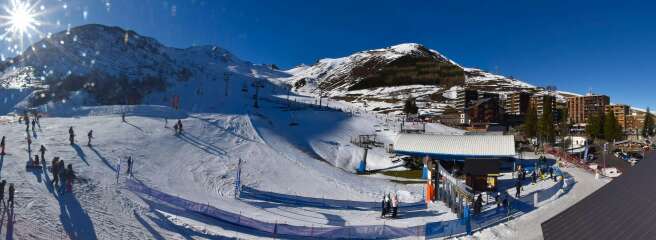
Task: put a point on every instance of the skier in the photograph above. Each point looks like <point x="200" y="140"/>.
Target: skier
<point x="89" y="136"/>
<point x="382" y="206"/>
<point x="70" y="175"/>
<point x="55" y="170"/>
<point x="395" y="205"/>
<point x="61" y="171"/>
<point x="518" y="189"/>
<point x="479" y="204"/>
<point x="2" y="190"/>
<point x="29" y="143"/>
<point x="118" y="170"/>
<point x="43" y="152"/>
<point x="497" y="199"/>
<point x="179" y="126"/>
<point x="123" y="116"/>
<point x="11" y="195"/>
<point x="175" y="128"/>
<point x="534" y="177"/>
<point x="33" y="124"/>
<point x="388" y="203"/>
<point x="129" y="170"/>
<point x="2" y="146"/>
<point x="71" y="136"/>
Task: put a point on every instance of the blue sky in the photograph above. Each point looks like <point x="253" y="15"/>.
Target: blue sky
<point x="608" y="47"/>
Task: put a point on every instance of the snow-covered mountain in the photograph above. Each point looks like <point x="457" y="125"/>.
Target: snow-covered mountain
<point x="111" y="65"/>
<point x="380" y="79"/>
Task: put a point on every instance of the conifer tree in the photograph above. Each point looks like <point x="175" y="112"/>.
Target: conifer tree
<point x="648" y="126"/>
<point x="530" y="127"/>
<point x="612" y="129"/>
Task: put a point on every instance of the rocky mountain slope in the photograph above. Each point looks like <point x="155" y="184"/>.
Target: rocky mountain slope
<point x="381" y="79"/>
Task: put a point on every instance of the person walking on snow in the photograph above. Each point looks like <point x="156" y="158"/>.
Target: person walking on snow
<point x="70" y="175"/>
<point x="29" y="143"/>
<point x="71" y="135"/>
<point x="2" y="146"/>
<point x="12" y="190"/>
<point x="61" y="171"/>
<point x="388" y="203"/>
<point x="129" y="170"/>
<point x="382" y="206"/>
<point x="54" y="168"/>
<point x="395" y="205"/>
<point x="89" y="136"/>
<point x="118" y="170"/>
<point x="2" y="190"/>
<point x="43" y="152"/>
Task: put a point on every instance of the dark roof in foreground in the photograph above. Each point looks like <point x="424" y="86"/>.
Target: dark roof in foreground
<point x="623" y="209"/>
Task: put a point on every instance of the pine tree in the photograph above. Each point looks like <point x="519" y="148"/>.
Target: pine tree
<point x="612" y="129"/>
<point x="595" y="127"/>
<point x="648" y="126"/>
<point x="410" y="106"/>
<point x="546" y="128"/>
<point x="563" y="126"/>
<point x="530" y="127"/>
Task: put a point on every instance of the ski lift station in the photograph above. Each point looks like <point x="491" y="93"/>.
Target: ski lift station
<point x="479" y="157"/>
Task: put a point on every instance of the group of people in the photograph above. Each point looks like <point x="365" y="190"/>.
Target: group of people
<point x="26" y="119"/>
<point x="390" y="205"/>
<point x="128" y="171"/>
<point x="62" y="175"/>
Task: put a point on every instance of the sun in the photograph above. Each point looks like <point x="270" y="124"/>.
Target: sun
<point x="20" y="21"/>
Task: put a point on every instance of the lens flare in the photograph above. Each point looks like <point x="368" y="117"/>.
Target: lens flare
<point x="20" y="21"/>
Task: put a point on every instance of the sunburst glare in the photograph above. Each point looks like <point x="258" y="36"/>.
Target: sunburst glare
<point x="20" y="21"/>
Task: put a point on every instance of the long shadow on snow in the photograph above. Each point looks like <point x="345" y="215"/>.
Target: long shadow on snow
<point x="104" y="160"/>
<point x="303" y="201"/>
<point x="80" y="153"/>
<point x="135" y="126"/>
<point x="150" y="229"/>
<point x="163" y="222"/>
<point x="200" y="144"/>
<point x="10" y="223"/>
<point x="333" y="220"/>
<point x="74" y="218"/>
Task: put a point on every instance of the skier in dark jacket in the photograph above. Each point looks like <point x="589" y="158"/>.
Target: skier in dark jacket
<point x="33" y="124"/>
<point x="70" y="175"/>
<point x="179" y="126"/>
<point x="61" y="171"/>
<point x="2" y="146"/>
<point x="29" y="143"/>
<point x="71" y="135"/>
<point x="518" y="189"/>
<point x="2" y="190"/>
<point x="43" y="152"/>
<point x="11" y="195"/>
<point x="129" y="169"/>
<point x="55" y="171"/>
<point x="89" y="136"/>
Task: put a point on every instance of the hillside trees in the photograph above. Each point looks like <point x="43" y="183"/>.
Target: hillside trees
<point x="530" y="127"/>
<point x="410" y="106"/>
<point x="648" y="127"/>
